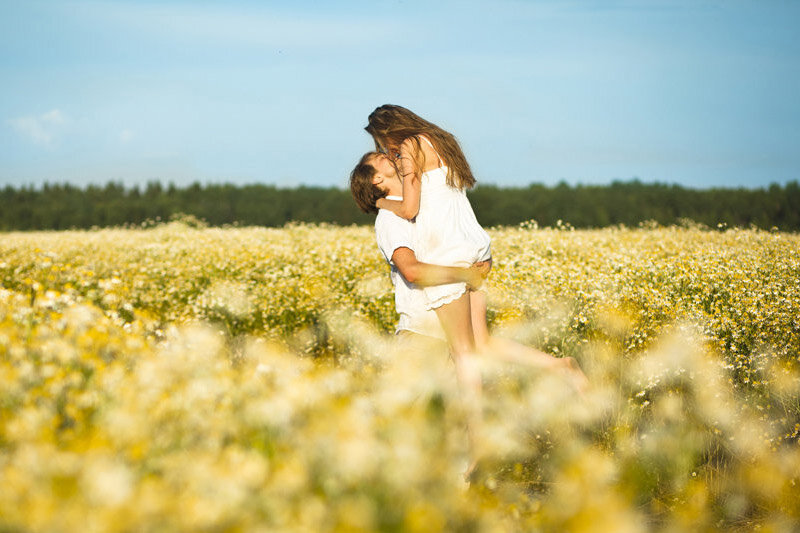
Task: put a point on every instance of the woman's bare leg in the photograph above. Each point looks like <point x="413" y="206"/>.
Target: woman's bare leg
<point x="455" y="318"/>
<point x="457" y="325"/>
<point x="477" y="306"/>
<point x="515" y="352"/>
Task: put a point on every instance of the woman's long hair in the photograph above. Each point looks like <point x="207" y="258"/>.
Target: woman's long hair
<point x="390" y="125"/>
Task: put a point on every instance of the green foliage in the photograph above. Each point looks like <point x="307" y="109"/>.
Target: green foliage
<point x="634" y="203"/>
<point x="65" y="206"/>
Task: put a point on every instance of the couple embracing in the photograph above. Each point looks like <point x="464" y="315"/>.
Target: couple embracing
<point x="438" y="252"/>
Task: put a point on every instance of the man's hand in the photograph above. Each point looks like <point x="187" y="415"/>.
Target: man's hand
<point x="474" y="277"/>
<point x="477" y="273"/>
<point x="483" y="267"/>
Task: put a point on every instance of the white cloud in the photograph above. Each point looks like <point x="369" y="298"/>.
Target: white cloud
<point x="126" y="135"/>
<point x="41" y="129"/>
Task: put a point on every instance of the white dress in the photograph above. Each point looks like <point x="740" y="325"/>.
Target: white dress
<point x="447" y="232"/>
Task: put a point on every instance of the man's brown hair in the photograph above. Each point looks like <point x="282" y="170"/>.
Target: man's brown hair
<point x="364" y="192"/>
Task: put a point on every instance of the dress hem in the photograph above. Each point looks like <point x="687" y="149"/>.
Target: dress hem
<point x="446" y="299"/>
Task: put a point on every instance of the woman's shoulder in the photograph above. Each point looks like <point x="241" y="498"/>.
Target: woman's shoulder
<point x="421" y="143"/>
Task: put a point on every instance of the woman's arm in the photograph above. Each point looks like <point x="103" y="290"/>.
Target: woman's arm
<point x="409" y="206"/>
<point x="426" y="275"/>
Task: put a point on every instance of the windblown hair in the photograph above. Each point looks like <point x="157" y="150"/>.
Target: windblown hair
<point x="364" y="192"/>
<point x="390" y="125"/>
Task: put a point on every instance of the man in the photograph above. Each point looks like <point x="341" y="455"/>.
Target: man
<point x="375" y="177"/>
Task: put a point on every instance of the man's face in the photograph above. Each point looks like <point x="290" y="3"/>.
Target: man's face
<point x="385" y="171"/>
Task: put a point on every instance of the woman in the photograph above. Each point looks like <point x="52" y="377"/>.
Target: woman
<point x="435" y="176"/>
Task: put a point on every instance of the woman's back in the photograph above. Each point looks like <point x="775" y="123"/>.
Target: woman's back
<point x="432" y="159"/>
<point x="447" y="232"/>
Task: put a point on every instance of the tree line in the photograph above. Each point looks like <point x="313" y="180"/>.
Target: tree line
<point x="65" y="206"/>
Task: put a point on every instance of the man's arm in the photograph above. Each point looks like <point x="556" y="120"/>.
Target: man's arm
<point x="426" y="275"/>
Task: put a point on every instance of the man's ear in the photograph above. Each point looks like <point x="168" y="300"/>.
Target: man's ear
<point x="378" y="181"/>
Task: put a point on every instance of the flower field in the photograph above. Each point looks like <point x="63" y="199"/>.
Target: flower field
<point x="181" y="378"/>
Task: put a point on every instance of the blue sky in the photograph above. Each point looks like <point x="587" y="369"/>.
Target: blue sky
<point x="700" y="93"/>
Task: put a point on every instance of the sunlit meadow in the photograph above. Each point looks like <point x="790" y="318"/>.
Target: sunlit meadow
<point x="183" y="378"/>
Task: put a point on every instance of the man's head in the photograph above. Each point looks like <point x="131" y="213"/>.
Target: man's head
<point x="374" y="177"/>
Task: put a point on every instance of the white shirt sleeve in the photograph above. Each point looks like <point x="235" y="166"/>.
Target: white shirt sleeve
<point x="393" y="232"/>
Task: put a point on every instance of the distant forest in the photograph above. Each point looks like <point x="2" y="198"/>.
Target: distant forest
<point x="57" y="207"/>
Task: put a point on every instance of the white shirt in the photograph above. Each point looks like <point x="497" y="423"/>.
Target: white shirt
<point x="393" y="232"/>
